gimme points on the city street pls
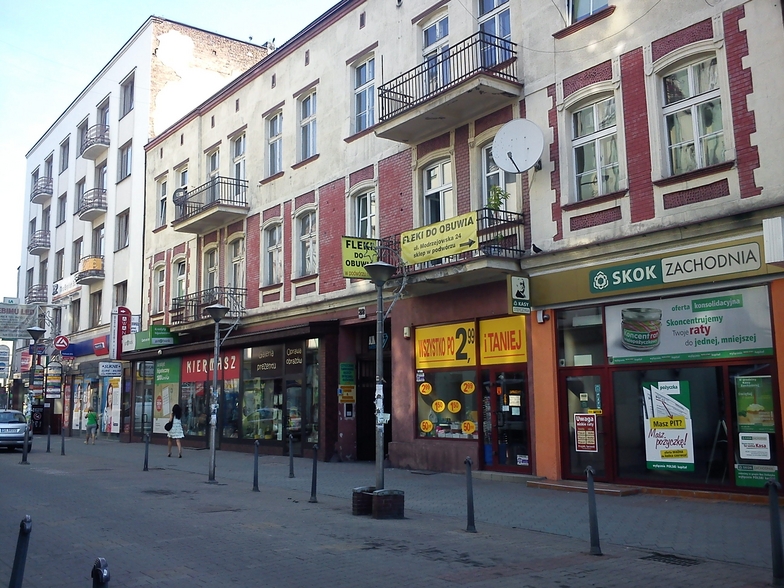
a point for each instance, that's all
(169, 526)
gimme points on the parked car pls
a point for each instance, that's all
(12, 430)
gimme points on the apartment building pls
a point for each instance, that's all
(643, 233)
(82, 248)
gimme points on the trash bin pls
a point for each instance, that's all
(362, 500)
(388, 504)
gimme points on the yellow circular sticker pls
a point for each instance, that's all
(468, 427)
(425, 388)
(439, 406)
(467, 387)
(454, 406)
(426, 426)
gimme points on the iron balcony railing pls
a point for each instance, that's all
(91, 268)
(39, 240)
(93, 201)
(500, 234)
(42, 187)
(190, 308)
(37, 294)
(479, 53)
(218, 191)
(95, 135)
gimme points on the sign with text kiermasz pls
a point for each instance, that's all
(441, 239)
(446, 346)
(357, 253)
(720, 325)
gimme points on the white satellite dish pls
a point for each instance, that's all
(518, 146)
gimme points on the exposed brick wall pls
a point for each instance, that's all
(491, 120)
(395, 194)
(366, 173)
(741, 86)
(434, 144)
(598, 73)
(695, 195)
(331, 217)
(271, 297)
(160, 256)
(273, 212)
(638, 149)
(287, 236)
(307, 198)
(179, 249)
(462, 173)
(306, 289)
(526, 196)
(555, 175)
(252, 261)
(594, 219)
(237, 227)
(210, 238)
(696, 32)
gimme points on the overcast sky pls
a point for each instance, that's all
(51, 49)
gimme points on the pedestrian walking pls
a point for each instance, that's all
(92, 425)
(175, 429)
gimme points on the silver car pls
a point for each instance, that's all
(12, 430)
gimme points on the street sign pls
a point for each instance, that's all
(61, 342)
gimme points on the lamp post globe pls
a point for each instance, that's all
(217, 312)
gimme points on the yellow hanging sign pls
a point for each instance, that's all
(441, 239)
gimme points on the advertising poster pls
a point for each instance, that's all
(585, 433)
(755, 476)
(733, 323)
(111, 404)
(80, 405)
(669, 443)
(167, 392)
(754, 403)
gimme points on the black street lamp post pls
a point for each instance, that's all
(217, 312)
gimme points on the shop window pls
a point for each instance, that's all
(580, 337)
(447, 405)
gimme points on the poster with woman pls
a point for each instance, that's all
(110, 421)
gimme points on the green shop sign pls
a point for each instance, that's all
(155, 336)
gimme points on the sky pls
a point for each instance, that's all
(51, 49)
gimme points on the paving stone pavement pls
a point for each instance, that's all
(169, 525)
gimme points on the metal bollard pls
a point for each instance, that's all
(291, 455)
(256, 466)
(24, 448)
(775, 532)
(593, 522)
(146, 450)
(470, 527)
(17, 572)
(62, 436)
(49, 437)
(315, 473)
(100, 573)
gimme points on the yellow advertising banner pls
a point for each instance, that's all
(347, 393)
(441, 239)
(446, 346)
(503, 341)
(356, 253)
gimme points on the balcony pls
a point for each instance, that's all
(217, 203)
(190, 308)
(95, 142)
(92, 205)
(476, 77)
(501, 245)
(42, 191)
(38, 294)
(39, 243)
(90, 270)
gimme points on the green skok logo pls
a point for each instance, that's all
(621, 277)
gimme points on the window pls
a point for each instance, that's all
(103, 114)
(238, 163)
(43, 272)
(437, 183)
(595, 147)
(121, 294)
(124, 162)
(65, 152)
(364, 95)
(76, 255)
(494, 176)
(100, 176)
(307, 244)
(275, 144)
(76, 311)
(365, 214)
(236, 254)
(182, 174)
(580, 9)
(211, 269)
(81, 133)
(46, 215)
(273, 273)
(435, 51)
(98, 240)
(213, 170)
(34, 179)
(122, 230)
(161, 214)
(159, 288)
(57, 320)
(59, 259)
(49, 167)
(447, 387)
(61, 204)
(693, 117)
(126, 96)
(494, 21)
(180, 277)
(29, 279)
(308, 126)
(95, 308)
(79, 200)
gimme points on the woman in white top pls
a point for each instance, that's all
(176, 431)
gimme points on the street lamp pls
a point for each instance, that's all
(216, 311)
(380, 272)
(35, 334)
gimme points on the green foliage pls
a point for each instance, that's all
(496, 198)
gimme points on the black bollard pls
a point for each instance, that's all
(49, 437)
(256, 466)
(775, 532)
(62, 435)
(470, 527)
(313, 481)
(592, 520)
(17, 572)
(146, 450)
(291, 455)
(26, 443)
(100, 573)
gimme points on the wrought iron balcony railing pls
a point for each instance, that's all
(39, 242)
(92, 204)
(42, 189)
(91, 269)
(37, 294)
(190, 308)
(218, 191)
(95, 141)
(479, 53)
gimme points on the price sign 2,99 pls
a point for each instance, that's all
(446, 346)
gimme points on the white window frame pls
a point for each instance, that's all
(159, 289)
(595, 138)
(364, 78)
(238, 147)
(492, 175)
(577, 9)
(99, 240)
(213, 174)
(160, 216)
(127, 92)
(308, 106)
(440, 193)
(307, 243)
(211, 269)
(275, 144)
(124, 161)
(180, 286)
(273, 254)
(436, 53)
(364, 207)
(497, 22)
(235, 266)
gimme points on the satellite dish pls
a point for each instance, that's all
(518, 146)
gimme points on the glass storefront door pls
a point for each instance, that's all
(589, 437)
(505, 421)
